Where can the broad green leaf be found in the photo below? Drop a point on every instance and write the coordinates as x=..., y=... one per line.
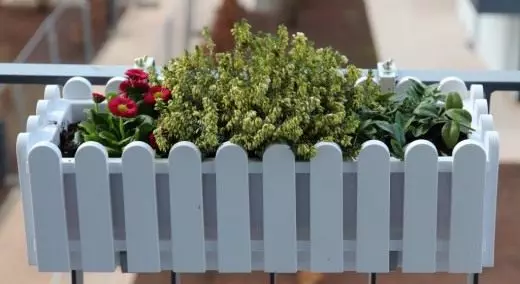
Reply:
x=426, y=109
x=459, y=115
x=399, y=133
x=400, y=119
x=87, y=127
x=450, y=134
x=420, y=130
x=108, y=136
x=385, y=126
x=453, y=101
x=397, y=149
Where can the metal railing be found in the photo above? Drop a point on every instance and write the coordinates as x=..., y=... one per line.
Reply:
x=16, y=73
x=44, y=46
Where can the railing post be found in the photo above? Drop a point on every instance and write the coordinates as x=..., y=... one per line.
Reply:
x=52, y=40
x=87, y=30
x=168, y=39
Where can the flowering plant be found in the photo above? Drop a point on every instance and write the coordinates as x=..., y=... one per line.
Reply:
x=131, y=113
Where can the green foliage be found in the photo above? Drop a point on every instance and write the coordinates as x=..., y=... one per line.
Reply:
x=423, y=112
x=113, y=132
x=269, y=89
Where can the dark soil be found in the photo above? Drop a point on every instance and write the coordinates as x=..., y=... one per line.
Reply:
x=67, y=146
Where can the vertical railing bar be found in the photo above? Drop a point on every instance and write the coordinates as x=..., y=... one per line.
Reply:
x=168, y=39
x=473, y=278
x=76, y=277
x=52, y=41
x=19, y=101
x=372, y=278
x=87, y=31
x=272, y=278
x=189, y=23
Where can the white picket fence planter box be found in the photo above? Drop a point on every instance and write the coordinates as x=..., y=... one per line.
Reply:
x=234, y=215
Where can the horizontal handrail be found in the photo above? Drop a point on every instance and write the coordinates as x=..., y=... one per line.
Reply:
x=23, y=73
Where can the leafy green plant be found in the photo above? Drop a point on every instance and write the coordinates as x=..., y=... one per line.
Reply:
x=269, y=89
x=113, y=132
x=423, y=112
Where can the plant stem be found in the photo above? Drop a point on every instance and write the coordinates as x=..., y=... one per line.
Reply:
x=96, y=107
x=121, y=127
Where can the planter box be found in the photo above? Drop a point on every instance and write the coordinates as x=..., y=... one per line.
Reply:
x=229, y=214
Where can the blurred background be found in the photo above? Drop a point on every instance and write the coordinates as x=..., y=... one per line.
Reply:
x=417, y=34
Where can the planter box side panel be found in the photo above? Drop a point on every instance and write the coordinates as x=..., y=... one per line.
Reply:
x=257, y=212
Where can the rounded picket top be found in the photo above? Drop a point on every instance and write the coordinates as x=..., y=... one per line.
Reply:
x=52, y=92
x=41, y=107
x=327, y=160
x=91, y=149
x=486, y=123
x=328, y=147
x=22, y=140
x=470, y=152
x=454, y=84
x=405, y=83
x=33, y=123
x=184, y=150
x=44, y=152
x=421, y=150
x=137, y=149
x=77, y=88
x=229, y=150
x=113, y=84
x=373, y=148
x=476, y=92
x=364, y=79
x=479, y=108
x=276, y=151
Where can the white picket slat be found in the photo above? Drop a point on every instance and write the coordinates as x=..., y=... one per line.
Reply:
x=77, y=88
x=467, y=203
x=492, y=145
x=186, y=209
x=233, y=216
x=373, y=208
x=279, y=204
x=48, y=201
x=326, y=209
x=420, y=208
x=23, y=179
x=140, y=200
x=94, y=208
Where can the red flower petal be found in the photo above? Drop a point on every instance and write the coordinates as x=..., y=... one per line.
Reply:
x=157, y=92
x=98, y=97
x=152, y=141
x=122, y=106
x=123, y=87
x=136, y=74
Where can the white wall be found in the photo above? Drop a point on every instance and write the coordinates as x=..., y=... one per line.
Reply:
x=496, y=38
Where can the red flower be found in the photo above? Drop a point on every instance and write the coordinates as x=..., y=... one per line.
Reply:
x=98, y=97
x=137, y=79
x=123, y=87
x=157, y=92
x=122, y=106
x=151, y=140
x=136, y=74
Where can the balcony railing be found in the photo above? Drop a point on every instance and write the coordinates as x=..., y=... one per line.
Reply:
x=43, y=74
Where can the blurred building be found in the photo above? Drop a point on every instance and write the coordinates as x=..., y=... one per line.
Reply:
x=493, y=30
